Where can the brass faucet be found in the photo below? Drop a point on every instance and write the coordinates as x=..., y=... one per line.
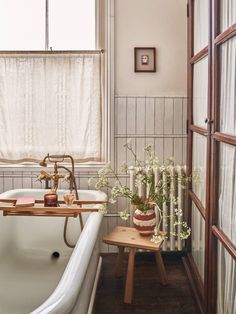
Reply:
x=55, y=176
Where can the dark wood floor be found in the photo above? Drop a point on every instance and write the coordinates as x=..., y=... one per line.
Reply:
x=149, y=295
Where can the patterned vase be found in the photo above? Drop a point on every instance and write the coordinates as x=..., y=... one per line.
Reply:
x=145, y=222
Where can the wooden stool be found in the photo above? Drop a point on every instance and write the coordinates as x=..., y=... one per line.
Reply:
x=130, y=237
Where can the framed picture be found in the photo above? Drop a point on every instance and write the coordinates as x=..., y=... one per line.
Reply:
x=145, y=59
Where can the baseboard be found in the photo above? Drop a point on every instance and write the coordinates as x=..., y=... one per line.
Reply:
x=195, y=282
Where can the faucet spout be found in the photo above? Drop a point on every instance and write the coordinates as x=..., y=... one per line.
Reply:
x=55, y=159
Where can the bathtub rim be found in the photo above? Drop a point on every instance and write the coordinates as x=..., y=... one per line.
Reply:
x=101, y=196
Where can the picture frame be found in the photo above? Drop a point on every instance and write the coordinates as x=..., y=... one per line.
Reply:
x=144, y=59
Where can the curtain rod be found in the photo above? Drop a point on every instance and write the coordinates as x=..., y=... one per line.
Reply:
x=49, y=52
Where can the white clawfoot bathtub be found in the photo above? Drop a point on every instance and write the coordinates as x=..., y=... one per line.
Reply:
x=32, y=279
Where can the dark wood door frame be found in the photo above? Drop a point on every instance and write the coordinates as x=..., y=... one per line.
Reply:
x=192, y=271
x=207, y=301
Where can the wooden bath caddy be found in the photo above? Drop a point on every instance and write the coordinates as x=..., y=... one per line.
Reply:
x=39, y=210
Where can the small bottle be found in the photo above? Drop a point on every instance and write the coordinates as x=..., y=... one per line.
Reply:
x=50, y=199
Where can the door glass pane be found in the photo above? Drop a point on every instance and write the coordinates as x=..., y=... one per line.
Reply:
x=200, y=25
x=228, y=13
x=200, y=92
x=22, y=24
x=227, y=191
x=199, y=166
x=228, y=87
x=226, y=286
x=198, y=240
x=72, y=24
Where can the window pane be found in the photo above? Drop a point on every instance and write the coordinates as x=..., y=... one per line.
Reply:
x=228, y=88
x=227, y=191
x=226, y=286
x=201, y=25
x=228, y=13
x=72, y=24
x=22, y=24
x=200, y=92
x=199, y=166
x=198, y=240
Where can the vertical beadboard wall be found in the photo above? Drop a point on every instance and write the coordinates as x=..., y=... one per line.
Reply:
x=159, y=121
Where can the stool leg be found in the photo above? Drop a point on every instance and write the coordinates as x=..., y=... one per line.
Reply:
x=119, y=262
x=161, y=267
x=130, y=278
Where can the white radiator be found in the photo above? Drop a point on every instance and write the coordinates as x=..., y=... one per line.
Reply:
x=175, y=176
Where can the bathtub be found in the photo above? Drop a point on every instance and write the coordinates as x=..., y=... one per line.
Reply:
x=38, y=272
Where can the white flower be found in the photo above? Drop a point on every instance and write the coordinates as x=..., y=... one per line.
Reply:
x=91, y=181
x=139, y=179
x=170, y=161
x=157, y=237
x=103, y=209
x=102, y=182
x=138, y=169
x=185, y=233
x=153, y=162
x=112, y=201
x=128, y=144
x=148, y=148
x=124, y=215
x=162, y=168
x=123, y=168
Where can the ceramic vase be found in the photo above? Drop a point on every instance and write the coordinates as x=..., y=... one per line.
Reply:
x=145, y=222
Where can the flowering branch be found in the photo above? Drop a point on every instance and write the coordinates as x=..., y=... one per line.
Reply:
x=159, y=189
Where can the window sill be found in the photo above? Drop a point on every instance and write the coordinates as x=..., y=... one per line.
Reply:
x=34, y=167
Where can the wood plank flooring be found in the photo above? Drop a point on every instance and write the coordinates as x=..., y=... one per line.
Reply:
x=150, y=297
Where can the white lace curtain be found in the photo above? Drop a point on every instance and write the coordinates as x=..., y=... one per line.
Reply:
x=228, y=83
x=228, y=13
x=50, y=103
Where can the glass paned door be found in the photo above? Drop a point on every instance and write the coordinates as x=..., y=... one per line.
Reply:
x=227, y=87
x=198, y=130
x=200, y=92
x=199, y=167
x=227, y=14
x=212, y=149
x=224, y=161
x=201, y=25
x=226, y=278
x=198, y=240
x=227, y=191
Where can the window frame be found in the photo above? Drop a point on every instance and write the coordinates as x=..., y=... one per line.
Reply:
x=104, y=22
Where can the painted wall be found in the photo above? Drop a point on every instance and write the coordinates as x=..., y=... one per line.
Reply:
x=152, y=23
x=159, y=121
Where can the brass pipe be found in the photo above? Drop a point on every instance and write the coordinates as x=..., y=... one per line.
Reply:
x=55, y=177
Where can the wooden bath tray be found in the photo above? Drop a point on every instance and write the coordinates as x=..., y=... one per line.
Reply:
x=9, y=208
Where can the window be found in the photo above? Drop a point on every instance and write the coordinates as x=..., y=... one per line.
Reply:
x=50, y=101
x=41, y=24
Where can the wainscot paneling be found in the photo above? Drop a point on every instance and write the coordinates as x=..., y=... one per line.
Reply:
x=159, y=121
